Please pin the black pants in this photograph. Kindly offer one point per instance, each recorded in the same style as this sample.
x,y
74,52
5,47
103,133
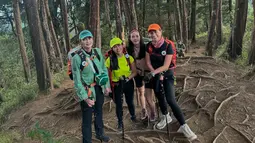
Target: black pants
x,y
87,116
168,85
128,90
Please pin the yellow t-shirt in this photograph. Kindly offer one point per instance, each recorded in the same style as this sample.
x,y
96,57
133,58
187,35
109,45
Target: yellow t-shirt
x,y
124,68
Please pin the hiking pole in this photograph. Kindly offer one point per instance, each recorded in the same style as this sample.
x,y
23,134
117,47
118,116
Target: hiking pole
x,y
163,94
122,86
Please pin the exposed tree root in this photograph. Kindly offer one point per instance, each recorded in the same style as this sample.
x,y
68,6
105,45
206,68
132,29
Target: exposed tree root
x,y
109,127
246,119
48,111
158,139
218,71
197,58
72,106
199,82
184,63
145,140
185,82
196,99
221,105
203,76
240,133
221,133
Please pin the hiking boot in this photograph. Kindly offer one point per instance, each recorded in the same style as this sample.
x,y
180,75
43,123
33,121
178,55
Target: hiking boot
x,y
103,138
144,114
153,117
119,128
187,132
162,123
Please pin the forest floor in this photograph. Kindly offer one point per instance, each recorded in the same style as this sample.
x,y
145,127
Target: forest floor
x,y
218,104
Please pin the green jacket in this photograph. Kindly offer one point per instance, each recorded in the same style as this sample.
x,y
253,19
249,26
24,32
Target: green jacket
x,y
87,74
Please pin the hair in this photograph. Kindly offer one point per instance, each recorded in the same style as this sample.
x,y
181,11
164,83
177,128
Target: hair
x,y
113,60
130,47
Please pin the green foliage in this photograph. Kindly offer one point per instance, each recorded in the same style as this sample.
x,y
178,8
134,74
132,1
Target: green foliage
x,y
42,135
9,137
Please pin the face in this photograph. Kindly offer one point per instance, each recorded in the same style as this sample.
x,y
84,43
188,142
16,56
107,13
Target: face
x,y
135,38
155,35
87,42
118,49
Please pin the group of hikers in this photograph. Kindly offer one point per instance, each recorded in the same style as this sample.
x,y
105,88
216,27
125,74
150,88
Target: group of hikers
x,y
149,67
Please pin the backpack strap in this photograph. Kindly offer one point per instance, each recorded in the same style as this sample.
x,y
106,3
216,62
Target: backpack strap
x,y
97,55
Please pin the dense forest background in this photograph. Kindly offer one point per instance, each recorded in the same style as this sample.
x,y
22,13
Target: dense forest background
x,y
35,35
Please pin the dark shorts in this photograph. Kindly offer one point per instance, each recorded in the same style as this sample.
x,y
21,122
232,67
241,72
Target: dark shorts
x,y
139,82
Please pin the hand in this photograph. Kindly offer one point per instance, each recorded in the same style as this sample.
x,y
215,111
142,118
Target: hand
x,y
148,77
90,102
107,91
126,79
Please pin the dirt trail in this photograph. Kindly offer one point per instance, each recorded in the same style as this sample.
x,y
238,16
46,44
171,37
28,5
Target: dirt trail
x,y
218,105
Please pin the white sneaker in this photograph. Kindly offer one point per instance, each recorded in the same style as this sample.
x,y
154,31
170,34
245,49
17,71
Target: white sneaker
x,y
162,123
187,132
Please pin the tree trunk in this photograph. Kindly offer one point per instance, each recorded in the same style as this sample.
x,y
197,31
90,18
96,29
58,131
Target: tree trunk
x,y
54,37
185,24
238,28
66,29
178,22
192,34
94,22
118,19
38,46
108,19
144,12
126,9
17,20
219,26
158,14
252,49
209,46
47,36
133,15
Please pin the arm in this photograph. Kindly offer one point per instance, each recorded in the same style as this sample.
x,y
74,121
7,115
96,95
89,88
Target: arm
x,y
133,69
104,68
148,61
166,65
77,78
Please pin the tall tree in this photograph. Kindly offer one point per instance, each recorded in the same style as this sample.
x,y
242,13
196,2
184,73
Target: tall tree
x,y
133,15
94,22
17,20
47,35
118,19
252,48
171,20
108,19
143,21
38,46
219,26
54,36
65,24
184,23
158,13
238,29
126,8
209,45
192,34
178,21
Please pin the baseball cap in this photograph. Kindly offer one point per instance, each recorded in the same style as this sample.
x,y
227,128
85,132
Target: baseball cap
x,y
115,41
84,34
154,27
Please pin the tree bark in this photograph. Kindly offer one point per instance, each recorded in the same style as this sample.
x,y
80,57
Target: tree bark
x,y
252,48
118,19
53,36
65,24
171,20
192,34
108,19
126,8
209,46
185,24
144,12
235,46
178,22
38,46
219,26
94,22
47,36
17,20
133,15
158,13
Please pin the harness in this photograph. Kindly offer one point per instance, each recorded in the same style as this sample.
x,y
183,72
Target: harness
x,y
84,64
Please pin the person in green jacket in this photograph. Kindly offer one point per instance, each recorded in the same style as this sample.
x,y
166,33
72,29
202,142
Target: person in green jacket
x,y
91,82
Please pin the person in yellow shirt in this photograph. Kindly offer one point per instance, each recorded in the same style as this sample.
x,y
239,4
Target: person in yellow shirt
x,y
123,70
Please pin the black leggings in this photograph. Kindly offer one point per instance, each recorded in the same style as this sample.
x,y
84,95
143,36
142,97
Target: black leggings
x,y
128,90
168,84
